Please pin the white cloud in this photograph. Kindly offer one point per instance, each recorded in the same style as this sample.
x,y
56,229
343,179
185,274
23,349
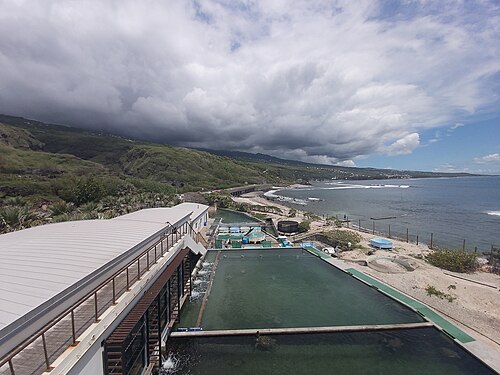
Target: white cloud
x,y
322,81
488,159
404,145
451,168
456,126
346,163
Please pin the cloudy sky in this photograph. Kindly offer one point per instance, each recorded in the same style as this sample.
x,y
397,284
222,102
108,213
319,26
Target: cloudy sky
x,y
402,84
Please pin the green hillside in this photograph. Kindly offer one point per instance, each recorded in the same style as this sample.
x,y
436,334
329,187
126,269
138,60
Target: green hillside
x,y
182,168
51,173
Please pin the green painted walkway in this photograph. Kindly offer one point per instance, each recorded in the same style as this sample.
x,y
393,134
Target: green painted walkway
x,y
449,328
317,252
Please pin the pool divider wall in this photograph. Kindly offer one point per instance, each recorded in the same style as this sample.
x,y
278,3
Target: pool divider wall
x,y
301,330
207,292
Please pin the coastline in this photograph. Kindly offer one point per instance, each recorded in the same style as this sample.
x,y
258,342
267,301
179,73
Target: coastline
x,y
448,213
476,307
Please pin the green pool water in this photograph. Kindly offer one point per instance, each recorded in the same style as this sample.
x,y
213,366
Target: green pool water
x,y
412,351
288,288
233,217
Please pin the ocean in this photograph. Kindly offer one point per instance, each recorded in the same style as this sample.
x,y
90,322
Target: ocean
x,y
452,209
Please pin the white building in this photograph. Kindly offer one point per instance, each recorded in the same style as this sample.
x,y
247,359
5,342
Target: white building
x,y
97,296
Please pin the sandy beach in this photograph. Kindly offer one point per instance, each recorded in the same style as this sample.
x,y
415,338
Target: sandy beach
x,y
476,304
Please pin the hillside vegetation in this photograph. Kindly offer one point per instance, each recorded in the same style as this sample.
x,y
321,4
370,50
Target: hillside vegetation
x,y
51,173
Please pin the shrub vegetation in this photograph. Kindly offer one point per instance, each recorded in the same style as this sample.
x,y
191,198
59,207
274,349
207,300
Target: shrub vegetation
x,y
433,291
453,260
341,238
304,226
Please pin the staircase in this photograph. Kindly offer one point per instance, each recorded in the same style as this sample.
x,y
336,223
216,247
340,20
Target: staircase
x,y
154,336
114,359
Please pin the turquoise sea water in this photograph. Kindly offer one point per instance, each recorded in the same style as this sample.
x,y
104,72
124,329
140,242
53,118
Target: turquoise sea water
x,y
453,209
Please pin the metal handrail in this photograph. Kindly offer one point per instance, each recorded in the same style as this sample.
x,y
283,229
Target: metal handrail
x,y
70,310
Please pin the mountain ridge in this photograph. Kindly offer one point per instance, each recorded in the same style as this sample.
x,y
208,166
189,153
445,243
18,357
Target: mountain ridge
x,y
185,168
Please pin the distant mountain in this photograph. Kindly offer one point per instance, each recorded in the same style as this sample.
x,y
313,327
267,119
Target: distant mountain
x,y
247,156
47,151
324,171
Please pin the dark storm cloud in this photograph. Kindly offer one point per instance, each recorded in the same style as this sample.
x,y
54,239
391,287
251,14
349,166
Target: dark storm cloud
x,y
330,81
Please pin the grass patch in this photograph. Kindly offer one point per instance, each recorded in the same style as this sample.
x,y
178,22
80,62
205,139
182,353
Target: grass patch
x,y
433,291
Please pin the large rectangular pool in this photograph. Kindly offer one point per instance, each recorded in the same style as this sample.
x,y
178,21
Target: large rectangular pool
x,y
285,288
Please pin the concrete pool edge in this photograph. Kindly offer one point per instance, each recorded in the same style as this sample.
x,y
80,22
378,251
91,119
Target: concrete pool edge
x,y
419,307
477,348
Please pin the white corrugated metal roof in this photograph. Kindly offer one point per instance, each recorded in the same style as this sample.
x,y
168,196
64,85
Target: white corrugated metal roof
x,y
41,262
163,215
196,208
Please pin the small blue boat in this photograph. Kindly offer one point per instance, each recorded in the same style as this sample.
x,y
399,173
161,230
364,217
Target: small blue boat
x,y
381,243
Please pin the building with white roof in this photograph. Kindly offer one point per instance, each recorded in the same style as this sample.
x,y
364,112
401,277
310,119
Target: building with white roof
x,y
74,282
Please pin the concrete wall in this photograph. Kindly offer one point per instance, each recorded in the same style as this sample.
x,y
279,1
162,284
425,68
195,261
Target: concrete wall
x,y
92,363
199,222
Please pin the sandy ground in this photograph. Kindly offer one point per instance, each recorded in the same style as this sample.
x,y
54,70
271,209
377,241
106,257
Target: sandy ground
x,y
475,308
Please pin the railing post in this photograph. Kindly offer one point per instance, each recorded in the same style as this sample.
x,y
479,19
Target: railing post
x,y
73,330
95,308
156,258
139,268
407,236
45,352
161,246
128,281
373,227
114,292
417,239
11,367
463,246
159,331
147,260
432,240
389,230
359,224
